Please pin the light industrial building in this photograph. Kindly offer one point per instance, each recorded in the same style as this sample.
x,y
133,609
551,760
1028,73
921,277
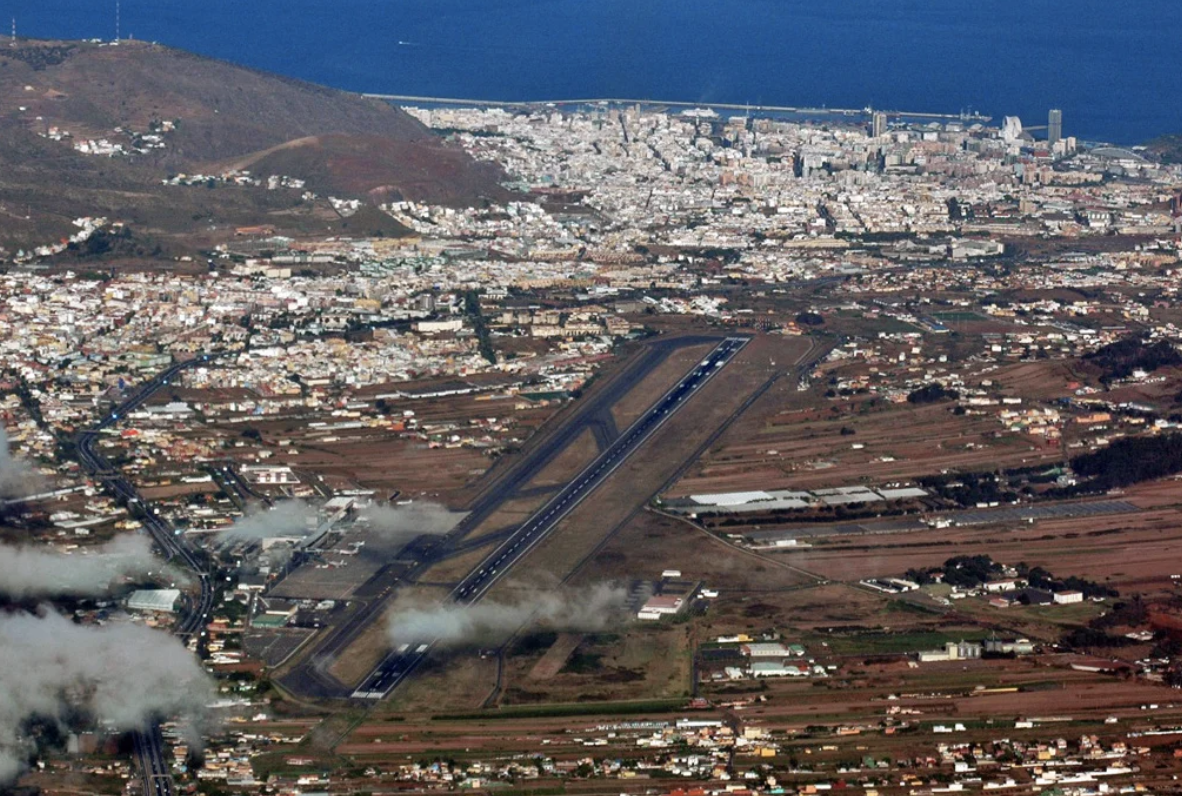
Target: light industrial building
x,y
953,651
777,669
162,600
661,605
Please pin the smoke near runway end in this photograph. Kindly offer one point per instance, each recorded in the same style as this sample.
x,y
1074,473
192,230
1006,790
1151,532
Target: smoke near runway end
x,y
119,675
411,519
297,518
17,476
289,518
452,624
41,572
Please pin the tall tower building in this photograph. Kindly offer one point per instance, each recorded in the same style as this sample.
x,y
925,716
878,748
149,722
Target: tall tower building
x,y
1054,126
878,124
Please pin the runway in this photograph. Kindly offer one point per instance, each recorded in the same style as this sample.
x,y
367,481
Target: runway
x,y
402,661
312,679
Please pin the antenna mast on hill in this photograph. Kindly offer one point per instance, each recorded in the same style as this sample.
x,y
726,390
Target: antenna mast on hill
x,y
116,21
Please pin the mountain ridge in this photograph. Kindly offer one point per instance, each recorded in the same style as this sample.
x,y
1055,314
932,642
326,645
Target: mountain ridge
x,y
176,112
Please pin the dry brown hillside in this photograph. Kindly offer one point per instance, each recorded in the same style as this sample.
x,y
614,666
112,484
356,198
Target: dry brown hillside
x,y
224,115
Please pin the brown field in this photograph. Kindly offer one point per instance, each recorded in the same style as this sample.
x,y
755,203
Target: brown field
x,y
394,464
555,658
451,570
512,512
176,490
644,662
1127,551
949,693
392,461
794,440
651,542
447,683
567,464
785,444
759,607
664,376
1036,381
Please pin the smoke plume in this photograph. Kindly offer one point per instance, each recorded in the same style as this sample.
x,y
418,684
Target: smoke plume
x,y
40,572
411,519
451,624
287,518
17,477
121,675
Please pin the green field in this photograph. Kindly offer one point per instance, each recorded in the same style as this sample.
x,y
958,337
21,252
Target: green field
x,y
568,709
887,643
958,316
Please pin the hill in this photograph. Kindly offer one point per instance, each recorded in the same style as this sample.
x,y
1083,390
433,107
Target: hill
x,y
1166,147
90,129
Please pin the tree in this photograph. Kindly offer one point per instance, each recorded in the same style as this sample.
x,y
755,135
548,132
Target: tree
x,y
931,393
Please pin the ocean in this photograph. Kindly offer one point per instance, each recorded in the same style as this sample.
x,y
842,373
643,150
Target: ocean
x,y
1113,68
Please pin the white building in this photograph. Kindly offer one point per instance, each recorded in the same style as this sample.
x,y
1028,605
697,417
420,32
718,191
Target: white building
x,y
163,600
777,669
269,474
659,606
765,649
953,651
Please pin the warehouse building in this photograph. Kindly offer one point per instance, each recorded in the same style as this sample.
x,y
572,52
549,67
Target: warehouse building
x,y
160,600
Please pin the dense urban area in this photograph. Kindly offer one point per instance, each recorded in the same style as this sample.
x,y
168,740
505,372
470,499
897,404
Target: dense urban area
x,y
719,453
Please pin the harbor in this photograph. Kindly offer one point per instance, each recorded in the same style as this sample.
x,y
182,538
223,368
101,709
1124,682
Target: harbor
x,y
969,117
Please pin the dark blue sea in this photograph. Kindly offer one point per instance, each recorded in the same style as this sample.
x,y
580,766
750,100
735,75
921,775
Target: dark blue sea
x,y
1114,68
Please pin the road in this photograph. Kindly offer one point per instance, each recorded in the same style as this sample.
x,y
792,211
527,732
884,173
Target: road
x,y
236,487
149,751
149,746
402,661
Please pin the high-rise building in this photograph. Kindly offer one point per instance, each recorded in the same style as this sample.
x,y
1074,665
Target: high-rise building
x,y
878,124
1054,126
1011,129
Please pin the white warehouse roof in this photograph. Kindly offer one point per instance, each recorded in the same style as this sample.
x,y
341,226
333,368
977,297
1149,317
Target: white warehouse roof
x,y
730,498
154,599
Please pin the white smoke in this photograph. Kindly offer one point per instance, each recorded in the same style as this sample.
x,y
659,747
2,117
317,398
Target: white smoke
x,y
17,477
296,518
411,519
451,624
287,518
38,572
121,675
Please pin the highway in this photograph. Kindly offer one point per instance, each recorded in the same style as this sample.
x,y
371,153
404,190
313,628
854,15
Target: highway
x,y
149,750
149,746
237,488
403,660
